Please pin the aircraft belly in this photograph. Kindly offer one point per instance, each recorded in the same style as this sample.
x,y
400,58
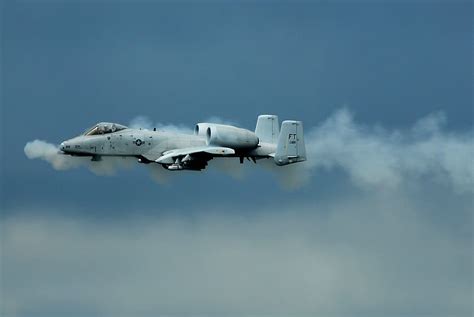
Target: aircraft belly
x,y
264,150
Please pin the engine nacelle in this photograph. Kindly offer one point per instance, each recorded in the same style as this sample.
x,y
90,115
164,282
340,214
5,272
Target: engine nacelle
x,y
201,128
227,136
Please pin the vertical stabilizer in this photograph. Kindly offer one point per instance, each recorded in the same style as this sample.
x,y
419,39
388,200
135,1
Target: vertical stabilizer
x,y
267,129
290,147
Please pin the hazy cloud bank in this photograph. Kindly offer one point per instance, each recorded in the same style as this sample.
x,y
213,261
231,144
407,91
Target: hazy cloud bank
x,y
375,255
371,155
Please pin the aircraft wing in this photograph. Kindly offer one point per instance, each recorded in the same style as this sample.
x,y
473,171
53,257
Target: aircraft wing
x,y
192,157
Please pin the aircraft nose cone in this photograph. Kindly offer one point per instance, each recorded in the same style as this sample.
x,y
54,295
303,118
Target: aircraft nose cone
x,y
62,146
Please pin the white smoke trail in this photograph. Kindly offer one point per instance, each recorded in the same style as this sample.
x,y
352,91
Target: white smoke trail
x,y
229,166
146,123
48,152
371,156
291,176
159,174
219,120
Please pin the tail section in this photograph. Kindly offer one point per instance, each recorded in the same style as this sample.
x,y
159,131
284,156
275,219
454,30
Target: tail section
x,y
267,128
290,147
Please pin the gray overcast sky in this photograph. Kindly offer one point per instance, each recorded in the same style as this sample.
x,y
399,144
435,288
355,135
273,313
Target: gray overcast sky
x,y
68,64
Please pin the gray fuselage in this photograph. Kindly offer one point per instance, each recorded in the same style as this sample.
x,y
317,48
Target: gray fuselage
x,y
130,142
143,143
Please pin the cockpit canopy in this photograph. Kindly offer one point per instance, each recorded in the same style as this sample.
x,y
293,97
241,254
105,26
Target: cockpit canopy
x,y
104,128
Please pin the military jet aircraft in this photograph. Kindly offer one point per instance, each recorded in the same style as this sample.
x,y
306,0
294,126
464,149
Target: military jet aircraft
x,y
178,151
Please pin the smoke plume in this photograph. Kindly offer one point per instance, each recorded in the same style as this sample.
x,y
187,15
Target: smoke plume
x,y
373,156
48,152
146,123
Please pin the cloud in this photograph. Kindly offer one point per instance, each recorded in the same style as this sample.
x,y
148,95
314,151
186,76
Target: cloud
x,y
371,156
376,254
